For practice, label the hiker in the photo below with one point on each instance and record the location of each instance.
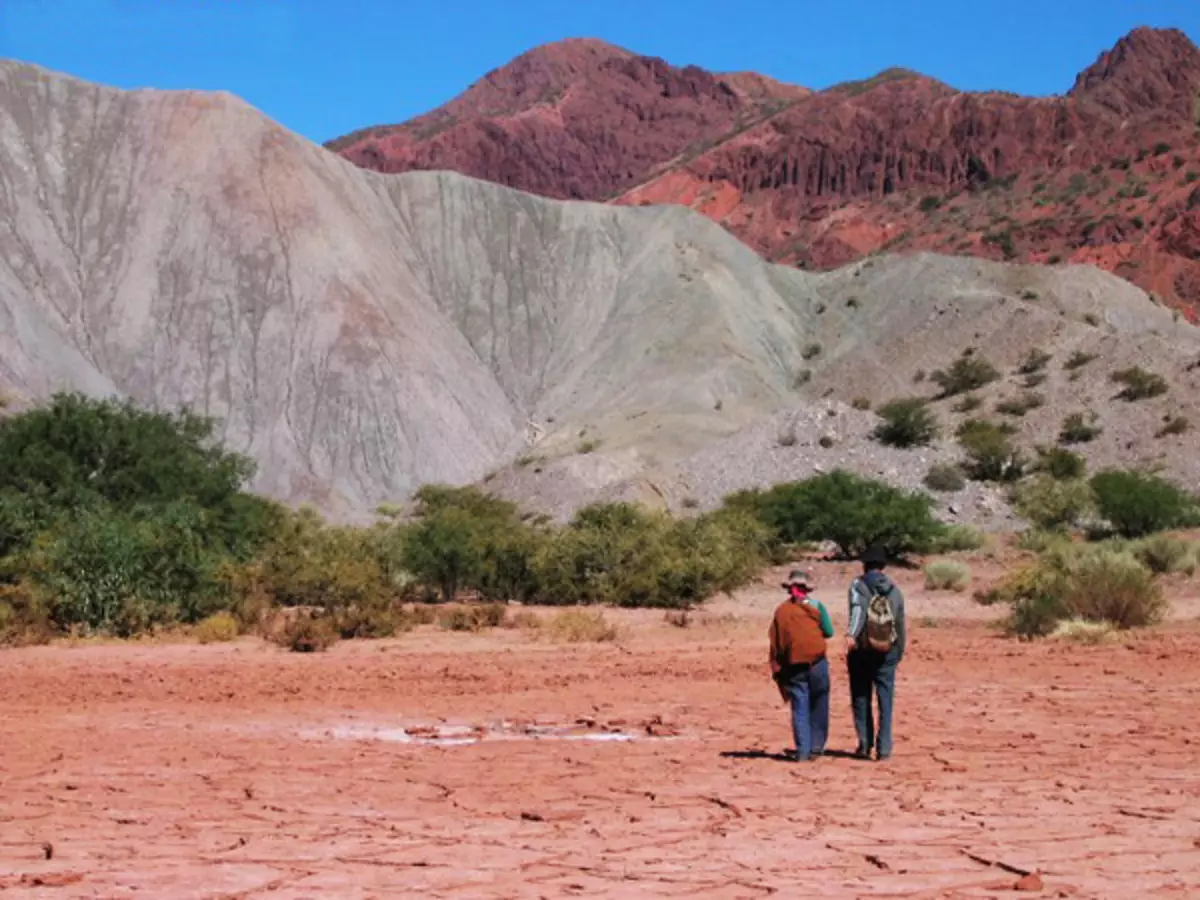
(875, 641)
(798, 664)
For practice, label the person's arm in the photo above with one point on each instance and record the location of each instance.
(773, 650)
(858, 615)
(901, 625)
(826, 621)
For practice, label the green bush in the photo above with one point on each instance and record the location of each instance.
(851, 511)
(947, 575)
(1020, 406)
(967, 373)
(945, 478)
(1166, 555)
(1139, 384)
(1060, 463)
(957, 539)
(1091, 583)
(906, 423)
(991, 455)
(1137, 504)
(1051, 504)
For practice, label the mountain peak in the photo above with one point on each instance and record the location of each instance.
(1148, 69)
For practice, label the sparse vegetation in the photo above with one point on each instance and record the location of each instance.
(589, 445)
(906, 423)
(968, 404)
(1078, 360)
(810, 351)
(1060, 463)
(1173, 426)
(307, 633)
(1020, 406)
(1163, 554)
(1079, 429)
(1035, 361)
(945, 478)
(991, 455)
(801, 378)
(947, 575)
(218, 628)
(580, 626)
(967, 373)
(1139, 384)
(862, 404)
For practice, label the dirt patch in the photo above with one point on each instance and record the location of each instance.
(242, 770)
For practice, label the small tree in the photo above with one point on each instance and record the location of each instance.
(1051, 504)
(991, 455)
(1137, 504)
(1060, 463)
(906, 423)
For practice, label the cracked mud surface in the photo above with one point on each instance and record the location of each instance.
(242, 771)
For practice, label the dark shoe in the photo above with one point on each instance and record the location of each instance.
(862, 753)
(882, 757)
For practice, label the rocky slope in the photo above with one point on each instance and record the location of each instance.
(1107, 174)
(360, 334)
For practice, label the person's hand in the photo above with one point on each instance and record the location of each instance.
(783, 694)
(851, 644)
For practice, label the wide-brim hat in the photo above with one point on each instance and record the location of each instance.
(800, 578)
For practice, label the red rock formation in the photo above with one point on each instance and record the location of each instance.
(900, 162)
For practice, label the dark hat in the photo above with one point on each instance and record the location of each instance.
(801, 577)
(875, 555)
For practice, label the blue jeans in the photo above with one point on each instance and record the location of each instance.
(871, 671)
(808, 692)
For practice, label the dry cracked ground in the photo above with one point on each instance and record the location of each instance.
(497, 765)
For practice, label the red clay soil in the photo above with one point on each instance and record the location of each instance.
(1107, 174)
(187, 771)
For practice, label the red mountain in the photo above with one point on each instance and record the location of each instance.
(1107, 174)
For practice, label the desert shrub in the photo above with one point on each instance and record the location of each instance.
(787, 436)
(579, 626)
(967, 373)
(990, 453)
(1092, 583)
(1050, 503)
(523, 620)
(307, 633)
(957, 539)
(1166, 555)
(1038, 540)
(1079, 429)
(621, 554)
(1020, 406)
(1174, 425)
(1081, 631)
(947, 575)
(849, 510)
(827, 442)
(348, 573)
(861, 403)
(968, 404)
(1139, 384)
(930, 203)
(1137, 504)
(1078, 360)
(1034, 380)
(1035, 361)
(945, 478)
(801, 378)
(24, 617)
(471, 616)
(589, 445)
(906, 423)
(1060, 463)
(810, 351)
(220, 627)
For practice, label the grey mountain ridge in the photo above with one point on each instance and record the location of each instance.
(362, 334)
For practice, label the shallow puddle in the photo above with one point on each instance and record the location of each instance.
(446, 735)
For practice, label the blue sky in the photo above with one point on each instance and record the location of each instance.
(325, 67)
